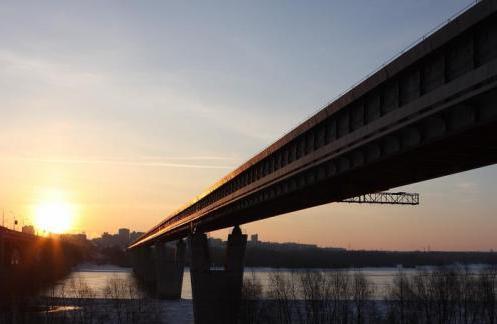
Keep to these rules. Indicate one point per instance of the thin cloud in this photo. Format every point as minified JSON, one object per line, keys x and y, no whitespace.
{"x":189,"y":158}
{"x":140,"y":163}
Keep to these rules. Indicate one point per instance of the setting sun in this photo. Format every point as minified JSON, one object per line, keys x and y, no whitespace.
{"x":54,"y":217}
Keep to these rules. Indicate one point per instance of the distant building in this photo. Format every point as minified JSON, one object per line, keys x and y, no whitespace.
{"x":28,"y":229}
{"x":121,"y":239}
{"x":80,"y":238}
{"x":133,"y":236}
{"x":108,"y":240}
{"x":216,"y":242}
{"x":123,"y":235}
{"x":254,"y":238}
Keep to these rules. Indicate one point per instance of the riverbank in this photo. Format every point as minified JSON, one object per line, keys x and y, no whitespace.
{"x":100,"y":310}
{"x":94,"y":294}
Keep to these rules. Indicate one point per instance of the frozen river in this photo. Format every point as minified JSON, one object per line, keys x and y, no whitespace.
{"x":95,"y":280}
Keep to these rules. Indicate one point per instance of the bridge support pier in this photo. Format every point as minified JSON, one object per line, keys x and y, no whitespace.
{"x":169,"y":267}
{"x":2,"y":261}
{"x":217,"y":293}
{"x":135,"y":261}
{"x":144,"y":265}
{"x":2,"y":252}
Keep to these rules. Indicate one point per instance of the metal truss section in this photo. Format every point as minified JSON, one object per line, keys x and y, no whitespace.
{"x":386,"y":198}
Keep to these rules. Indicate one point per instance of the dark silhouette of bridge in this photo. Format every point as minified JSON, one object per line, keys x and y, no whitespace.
{"x":29,"y":262}
{"x":430,"y":112}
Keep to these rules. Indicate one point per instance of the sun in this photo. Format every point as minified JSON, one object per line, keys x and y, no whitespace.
{"x":54,"y":217}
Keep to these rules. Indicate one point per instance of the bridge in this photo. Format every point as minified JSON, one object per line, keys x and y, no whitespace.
{"x":28,"y":261}
{"x":429,"y":112}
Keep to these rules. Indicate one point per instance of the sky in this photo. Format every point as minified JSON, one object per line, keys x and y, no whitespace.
{"x":124,"y":110}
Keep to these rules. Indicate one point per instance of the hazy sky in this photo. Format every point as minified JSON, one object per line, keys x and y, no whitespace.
{"x":127,"y":109}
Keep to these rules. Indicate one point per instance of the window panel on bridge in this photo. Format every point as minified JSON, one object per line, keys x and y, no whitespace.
{"x":390,"y":97}
{"x":343,"y":164}
{"x":331,"y":130}
{"x":330,"y":168}
{"x":293,"y":151}
{"x":343,"y":123}
{"x":309,"y":147}
{"x":285,"y":156}
{"x":373,"y":152}
{"x":292,"y":184}
{"x":357,"y":116}
{"x":373,"y":110}
{"x":266,"y":167}
{"x":300,"y":147}
{"x":272,"y":163}
{"x":409,"y":86}
{"x":321,"y":172}
{"x":486,"y":105}
{"x":277,"y":157}
{"x":391,"y":145}
{"x":309,"y":177}
{"x":460,"y":58}
{"x":486,"y":42}
{"x":433,"y":127}
{"x":320,"y":135}
{"x":433,"y":72}
{"x":357,"y":158}
{"x":410,"y":137}
{"x":461,"y":116}
{"x":251,"y":176}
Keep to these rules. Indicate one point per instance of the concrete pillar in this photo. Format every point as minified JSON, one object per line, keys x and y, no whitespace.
{"x":2,"y":252}
{"x":133,"y":260}
{"x":147,"y":265}
{"x":144,"y":265}
{"x":217,"y":293}
{"x":137,"y":259}
{"x":2,"y":257}
{"x":170,"y":265}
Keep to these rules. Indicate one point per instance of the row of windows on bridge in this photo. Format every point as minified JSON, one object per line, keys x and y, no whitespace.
{"x":435,"y":126}
{"x":461,"y":55}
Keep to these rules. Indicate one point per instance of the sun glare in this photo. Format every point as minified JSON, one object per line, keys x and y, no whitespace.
{"x":54,"y":217}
